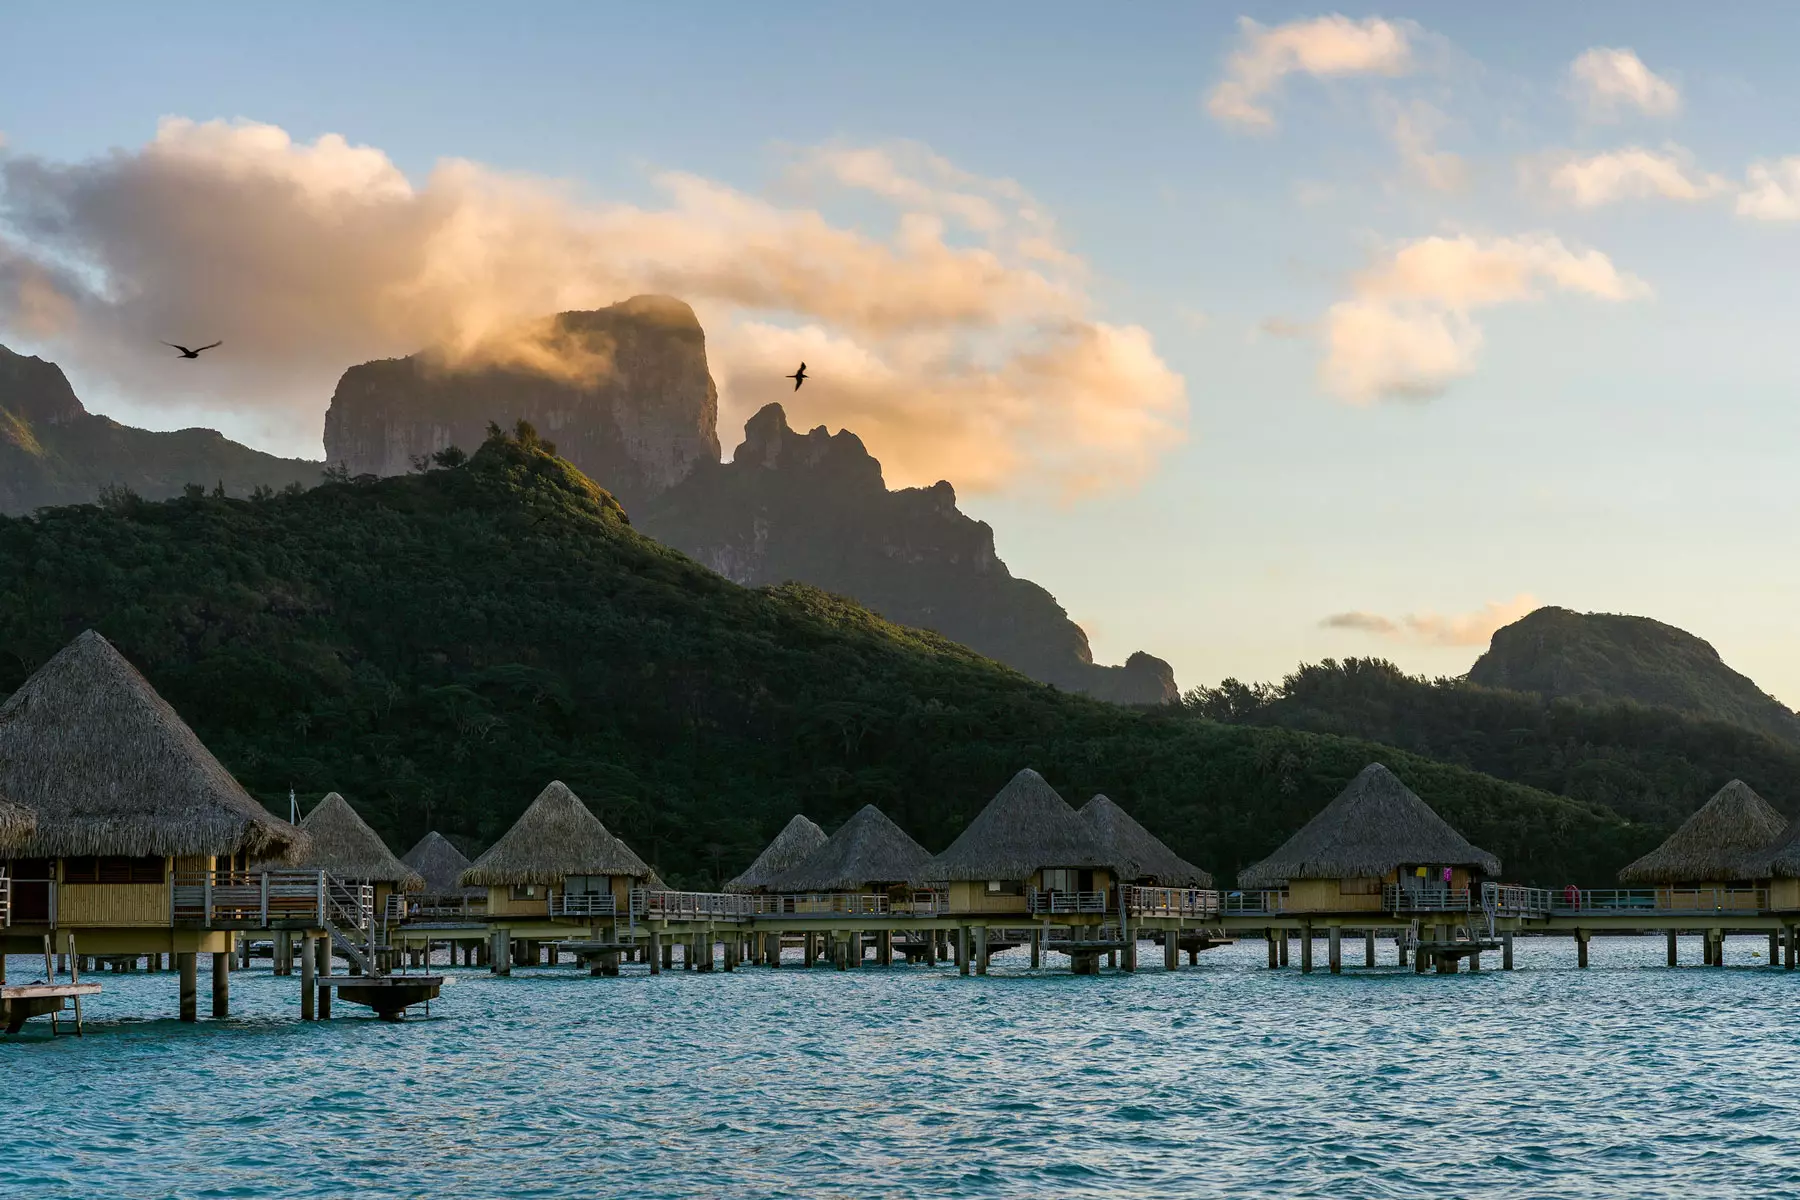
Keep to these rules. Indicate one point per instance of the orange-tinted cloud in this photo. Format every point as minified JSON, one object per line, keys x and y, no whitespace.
{"x":960,"y":345}
{"x":1429,"y":628}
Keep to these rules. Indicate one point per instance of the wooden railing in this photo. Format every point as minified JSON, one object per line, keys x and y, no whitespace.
{"x":257,"y":899}
{"x":583,"y":904}
{"x":1624,"y":901}
{"x":5,"y":900}
{"x":1510,"y":900}
{"x":1039,"y":901}
{"x":1430,"y":897}
{"x":1255,"y":902}
{"x":1172,"y":902}
{"x":419,"y":907}
{"x":691,"y":906}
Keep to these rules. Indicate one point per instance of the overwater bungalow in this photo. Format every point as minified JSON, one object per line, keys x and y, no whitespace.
{"x":557,"y":862}
{"x":344,"y":845}
{"x":1709,"y":861}
{"x":798,"y":839}
{"x":1376,"y":848}
{"x":440,"y":864}
{"x":1028,"y":849}
{"x":1777,"y":865}
{"x":869,"y":855}
{"x":128,"y":804}
{"x":1139,"y":855}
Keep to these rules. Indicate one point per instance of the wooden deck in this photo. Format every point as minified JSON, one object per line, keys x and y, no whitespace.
{"x":21,"y":1002}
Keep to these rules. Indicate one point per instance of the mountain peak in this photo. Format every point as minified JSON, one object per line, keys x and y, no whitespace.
{"x":1613,"y":656}
{"x":36,"y":391}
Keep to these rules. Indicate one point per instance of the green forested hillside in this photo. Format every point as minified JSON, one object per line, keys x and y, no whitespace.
{"x":1600,"y":657}
{"x":1653,"y":765}
{"x":439,"y":646}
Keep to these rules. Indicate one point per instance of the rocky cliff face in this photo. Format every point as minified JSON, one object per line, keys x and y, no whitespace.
{"x":53,"y":451}
{"x":813,"y":507}
{"x":1604,"y":656}
{"x":639,"y":422}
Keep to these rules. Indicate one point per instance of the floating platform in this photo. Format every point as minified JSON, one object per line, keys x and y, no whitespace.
{"x":389,"y":995}
{"x":21,"y":1002}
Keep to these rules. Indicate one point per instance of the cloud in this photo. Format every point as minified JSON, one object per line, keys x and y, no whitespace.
{"x":960,"y":342}
{"x":1406,"y":331}
{"x":1429,"y":628}
{"x":1633,"y":173}
{"x":1415,"y":130}
{"x":1323,"y":47}
{"x":1771,"y":190}
{"x":1607,"y":80}
{"x":1281,"y":327}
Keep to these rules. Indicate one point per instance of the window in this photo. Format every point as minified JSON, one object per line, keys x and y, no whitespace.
{"x":112,"y":869}
{"x":1060,"y":879}
{"x":524,"y":891}
{"x":1359,"y":887}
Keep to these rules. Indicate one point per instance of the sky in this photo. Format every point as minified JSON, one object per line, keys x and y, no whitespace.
{"x":1260,"y":334}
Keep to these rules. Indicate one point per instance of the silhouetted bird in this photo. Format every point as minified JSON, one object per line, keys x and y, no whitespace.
{"x":799,"y":377}
{"x":186,"y":353}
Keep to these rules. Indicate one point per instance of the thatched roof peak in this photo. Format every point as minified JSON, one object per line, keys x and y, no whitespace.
{"x":1135,"y":852}
{"x":798,"y":839}
{"x":1026,"y":827}
{"x":17,"y":824}
{"x":440,"y":864}
{"x":867,"y":849}
{"x":1375,"y":825}
{"x":1712,"y":845}
{"x":344,"y":845}
{"x":109,"y":768}
{"x":555,"y":838}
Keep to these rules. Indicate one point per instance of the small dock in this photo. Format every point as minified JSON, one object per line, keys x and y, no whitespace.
{"x":21,"y":1002}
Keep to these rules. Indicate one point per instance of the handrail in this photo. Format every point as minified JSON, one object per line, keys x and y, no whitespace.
{"x":1171,"y":902}
{"x":5,"y":899}
{"x":1254,"y":902}
{"x":1038,"y":900}
{"x":1715,"y":899}
{"x":1430,"y":897}
{"x":583,"y":904}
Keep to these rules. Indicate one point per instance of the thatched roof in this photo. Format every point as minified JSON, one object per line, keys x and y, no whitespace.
{"x":440,"y":865}
{"x":798,"y":839}
{"x":1136,"y":853}
{"x":1024,"y":828}
{"x":1375,"y":825}
{"x":109,"y":768}
{"x":866,"y":849}
{"x":555,"y":838}
{"x":17,"y":824}
{"x":343,"y":844}
{"x":1778,"y":860}
{"x":1711,"y":845}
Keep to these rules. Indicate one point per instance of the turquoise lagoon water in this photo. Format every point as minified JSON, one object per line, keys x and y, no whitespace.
{"x":1225,"y":1079}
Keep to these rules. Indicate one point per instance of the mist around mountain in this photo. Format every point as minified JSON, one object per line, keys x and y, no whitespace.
{"x":438,"y":646}
{"x":53,"y":451}
{"x":1606,"y":656}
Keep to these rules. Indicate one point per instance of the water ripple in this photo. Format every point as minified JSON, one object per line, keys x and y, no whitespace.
{"x":1224,"y":1080}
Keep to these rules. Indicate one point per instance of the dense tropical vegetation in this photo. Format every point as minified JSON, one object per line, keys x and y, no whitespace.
{"x":439,"y":646}
{"x":1653,"y":765}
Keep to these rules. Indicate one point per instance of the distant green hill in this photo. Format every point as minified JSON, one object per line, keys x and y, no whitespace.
{"x":1654,"y":765}
{"x":439,"y":646}
{"x":53,"y":451}
{"x":1602,"y":656}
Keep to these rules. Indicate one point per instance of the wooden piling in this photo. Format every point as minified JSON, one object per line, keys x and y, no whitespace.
{"x":1335,"y":950}
{"x":1274,"y":956}
{"x":1672,"y":956}
{"x":1788,"y":958}
{"x":1400,"y":949}
{"x":221,"y":985}
{"x":1284,"y":947}
{"x":1171,"y":951}
{"x":962,"y":949}
{"x":308,"y":965}
{"x":1506,"y":952}
{"x":1774,"y":946}
{"x":503,"y":952}
{"x":981,"y":949}
{"x":1581,"y":948}
{"x":1037,"y":949}
{"x":1718,"y":941}
{"x":1306,"y":949}
{"x":190,"y":986}
{"x":325,"y":978}
{"x":1368,"y":947}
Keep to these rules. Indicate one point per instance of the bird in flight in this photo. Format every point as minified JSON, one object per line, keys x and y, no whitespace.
{"x":799,"y":377}
{"x":195,"y":353}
